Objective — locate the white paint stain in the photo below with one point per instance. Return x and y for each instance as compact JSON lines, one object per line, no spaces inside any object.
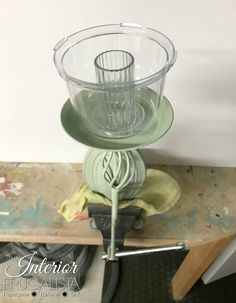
{"x":226,"y":210}
{"x":4,"y":213}
{"x":12,"y":189}
{"x":2,"y":180}
{"x":15,"y":188}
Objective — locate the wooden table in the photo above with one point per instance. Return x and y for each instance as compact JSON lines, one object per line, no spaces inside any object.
{"x":204,"y":218}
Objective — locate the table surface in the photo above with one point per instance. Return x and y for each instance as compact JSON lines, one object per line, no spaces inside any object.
{"x":31,"y":193}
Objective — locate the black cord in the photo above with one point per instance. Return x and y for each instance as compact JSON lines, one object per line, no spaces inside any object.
{"x":113,"y":282}
{"x":57,"y":252}
{"x":89,"y":259}
{"x":6,"y":252}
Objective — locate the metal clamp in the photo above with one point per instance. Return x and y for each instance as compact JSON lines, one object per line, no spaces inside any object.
{"x":127,"y":218}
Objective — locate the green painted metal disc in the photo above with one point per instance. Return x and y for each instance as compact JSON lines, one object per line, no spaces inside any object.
{"x":74,"y":128}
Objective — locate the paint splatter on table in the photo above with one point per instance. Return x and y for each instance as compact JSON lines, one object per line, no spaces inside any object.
{"x":31,"y":193}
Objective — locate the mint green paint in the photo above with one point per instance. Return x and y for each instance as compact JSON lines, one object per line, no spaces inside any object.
{"x":189,"y":221}
{"x":219,"y":171}
{"x":33,"y":216}
{"x":171,"y":222}
{"x":220,"y":219}
{"x":36,"y":215}
{"x":5,"y":204}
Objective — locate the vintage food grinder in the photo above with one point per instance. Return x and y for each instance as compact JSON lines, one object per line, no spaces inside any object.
{"x":115,"y":76}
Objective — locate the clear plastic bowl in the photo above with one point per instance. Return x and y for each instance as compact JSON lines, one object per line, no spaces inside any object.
{"x":115,"y":76}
